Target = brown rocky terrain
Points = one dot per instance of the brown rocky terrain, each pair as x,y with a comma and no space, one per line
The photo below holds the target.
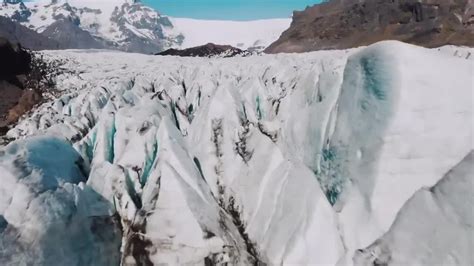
341,24
15,96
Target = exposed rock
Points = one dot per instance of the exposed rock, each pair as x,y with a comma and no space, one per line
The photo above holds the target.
143,35
207,50
17,33
28,99
15,97
341,24
71,36
15,60
9,98
119,25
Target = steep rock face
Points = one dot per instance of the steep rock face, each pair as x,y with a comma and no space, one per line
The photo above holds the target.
15,62
17,33
281,159
341,24
71,36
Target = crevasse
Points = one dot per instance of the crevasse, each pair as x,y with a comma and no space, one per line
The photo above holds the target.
282,159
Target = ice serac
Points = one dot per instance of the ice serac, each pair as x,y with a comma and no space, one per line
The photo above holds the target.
141,166
396,120
439,219
48,216
278,159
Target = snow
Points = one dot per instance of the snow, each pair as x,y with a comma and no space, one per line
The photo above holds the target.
289,159
44,14
240,34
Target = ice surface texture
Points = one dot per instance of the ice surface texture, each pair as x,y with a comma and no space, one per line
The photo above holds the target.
283,159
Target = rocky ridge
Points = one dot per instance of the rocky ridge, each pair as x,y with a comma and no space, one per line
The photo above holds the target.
207,50
16,33
14,66
341,24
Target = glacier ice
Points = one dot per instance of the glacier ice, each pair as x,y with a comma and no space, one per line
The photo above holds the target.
439,219
282,159
48,215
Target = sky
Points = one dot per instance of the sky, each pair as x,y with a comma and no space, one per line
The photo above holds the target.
229,9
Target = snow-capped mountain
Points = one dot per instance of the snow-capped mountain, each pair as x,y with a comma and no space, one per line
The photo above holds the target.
131,26
320,158
116,24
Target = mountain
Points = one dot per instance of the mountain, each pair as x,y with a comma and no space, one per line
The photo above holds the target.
17,33
113,24
71,36
322,158
133,27
341,24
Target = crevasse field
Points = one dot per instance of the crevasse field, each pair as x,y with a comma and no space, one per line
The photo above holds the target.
354,157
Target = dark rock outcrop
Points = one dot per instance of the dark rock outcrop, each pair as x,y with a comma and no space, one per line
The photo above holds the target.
17,33
15,60
207,50
15,98
341,24
71,36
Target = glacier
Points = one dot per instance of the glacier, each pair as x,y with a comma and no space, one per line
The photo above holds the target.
322,158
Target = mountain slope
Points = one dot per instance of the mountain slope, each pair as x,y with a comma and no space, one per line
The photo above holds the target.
17,33
114,24
71,36
342,24
280,159
133,27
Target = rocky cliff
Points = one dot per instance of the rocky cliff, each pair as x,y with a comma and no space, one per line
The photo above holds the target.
340,24
14,65
17,33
